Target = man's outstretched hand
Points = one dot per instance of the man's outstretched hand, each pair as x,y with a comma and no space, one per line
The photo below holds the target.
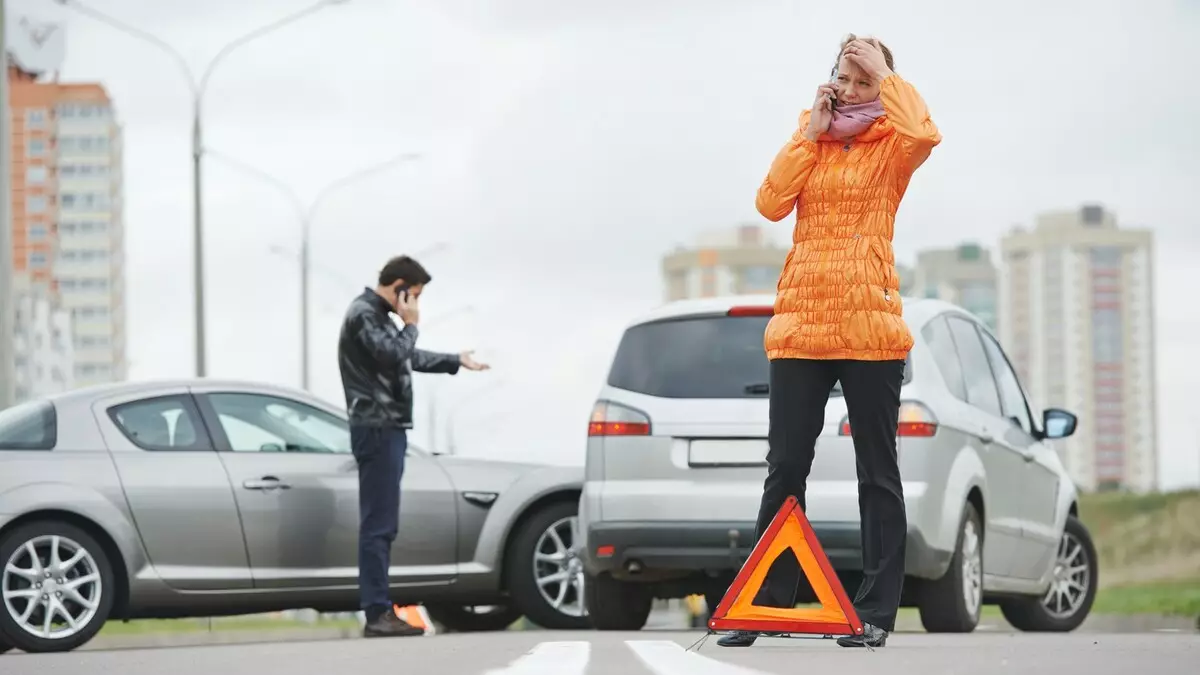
470,363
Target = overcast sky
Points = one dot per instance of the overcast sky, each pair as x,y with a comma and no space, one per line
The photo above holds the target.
567,145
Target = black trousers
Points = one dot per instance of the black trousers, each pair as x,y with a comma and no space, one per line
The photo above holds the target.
799,390
380,455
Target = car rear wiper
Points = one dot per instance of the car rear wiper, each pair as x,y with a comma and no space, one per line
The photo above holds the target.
760,388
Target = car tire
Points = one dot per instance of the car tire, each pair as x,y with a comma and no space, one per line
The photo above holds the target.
525,568
953,603
5,647
462,619
617,605
1032,614
98,589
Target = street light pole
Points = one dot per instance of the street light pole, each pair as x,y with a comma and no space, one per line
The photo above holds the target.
306,216
197,91
8,354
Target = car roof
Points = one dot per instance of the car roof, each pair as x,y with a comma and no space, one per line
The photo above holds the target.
134,386
916,310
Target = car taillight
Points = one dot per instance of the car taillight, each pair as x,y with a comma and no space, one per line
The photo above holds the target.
915,420
614,419
752,310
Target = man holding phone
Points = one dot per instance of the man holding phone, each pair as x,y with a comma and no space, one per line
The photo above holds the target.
377,360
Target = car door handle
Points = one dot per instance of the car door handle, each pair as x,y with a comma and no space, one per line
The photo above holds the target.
985,438
1029,456
265,483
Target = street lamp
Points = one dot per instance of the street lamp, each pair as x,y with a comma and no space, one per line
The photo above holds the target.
306,215
197,89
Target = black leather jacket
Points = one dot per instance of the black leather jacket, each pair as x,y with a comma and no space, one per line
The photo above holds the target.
377,361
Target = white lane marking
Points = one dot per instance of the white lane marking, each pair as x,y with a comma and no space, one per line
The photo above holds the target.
664,657
549,658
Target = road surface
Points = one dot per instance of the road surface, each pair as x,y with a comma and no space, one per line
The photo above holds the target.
647,652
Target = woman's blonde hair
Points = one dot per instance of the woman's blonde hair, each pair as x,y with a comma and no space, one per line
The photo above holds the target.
887,53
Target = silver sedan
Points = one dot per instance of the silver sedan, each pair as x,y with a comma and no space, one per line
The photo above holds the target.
203,497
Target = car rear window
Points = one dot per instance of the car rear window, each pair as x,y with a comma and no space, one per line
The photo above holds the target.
695,357
698,357
29,426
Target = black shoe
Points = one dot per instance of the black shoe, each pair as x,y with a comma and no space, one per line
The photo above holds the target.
741,638
872,636
390,625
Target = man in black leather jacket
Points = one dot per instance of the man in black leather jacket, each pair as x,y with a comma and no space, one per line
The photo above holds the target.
377,361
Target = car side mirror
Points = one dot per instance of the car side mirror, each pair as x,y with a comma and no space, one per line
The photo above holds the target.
1058,423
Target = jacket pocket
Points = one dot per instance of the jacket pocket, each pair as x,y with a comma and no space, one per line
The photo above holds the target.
879,265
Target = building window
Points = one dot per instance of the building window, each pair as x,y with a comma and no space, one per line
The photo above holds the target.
37,231
37,259
35,118
36,147
83,143
35,204
35,175
84,255
84,201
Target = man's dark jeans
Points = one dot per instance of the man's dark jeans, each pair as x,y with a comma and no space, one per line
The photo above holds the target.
380,456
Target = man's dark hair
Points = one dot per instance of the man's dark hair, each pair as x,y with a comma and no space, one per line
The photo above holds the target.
403,267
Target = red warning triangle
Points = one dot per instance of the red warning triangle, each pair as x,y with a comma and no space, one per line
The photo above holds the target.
789,529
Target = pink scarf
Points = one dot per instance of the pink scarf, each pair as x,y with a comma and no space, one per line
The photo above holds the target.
852,120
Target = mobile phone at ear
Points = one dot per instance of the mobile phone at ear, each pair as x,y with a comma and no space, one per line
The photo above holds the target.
402,292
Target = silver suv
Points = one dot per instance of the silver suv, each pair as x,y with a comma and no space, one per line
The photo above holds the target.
676,463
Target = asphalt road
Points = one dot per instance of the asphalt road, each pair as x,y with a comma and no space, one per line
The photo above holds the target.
647,652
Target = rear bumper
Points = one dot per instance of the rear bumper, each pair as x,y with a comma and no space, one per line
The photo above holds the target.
664,549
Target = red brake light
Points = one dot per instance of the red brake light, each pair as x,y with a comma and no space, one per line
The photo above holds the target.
915,421
751,310
613,419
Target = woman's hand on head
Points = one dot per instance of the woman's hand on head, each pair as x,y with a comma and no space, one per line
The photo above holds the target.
822,112
868,57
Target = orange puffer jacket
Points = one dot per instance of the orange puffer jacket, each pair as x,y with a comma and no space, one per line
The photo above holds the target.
838,296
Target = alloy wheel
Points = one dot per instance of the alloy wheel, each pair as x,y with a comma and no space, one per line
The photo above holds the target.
557,568
972,568
1072,577
51,587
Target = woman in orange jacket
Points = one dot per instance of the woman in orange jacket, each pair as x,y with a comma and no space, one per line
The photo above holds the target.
838,311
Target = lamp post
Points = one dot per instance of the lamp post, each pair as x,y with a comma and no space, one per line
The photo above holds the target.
306,214
197,90
8,355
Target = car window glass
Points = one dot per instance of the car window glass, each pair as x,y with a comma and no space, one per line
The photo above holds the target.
941,345
698,357
160,423
29,426
1012,399
260,423
977,372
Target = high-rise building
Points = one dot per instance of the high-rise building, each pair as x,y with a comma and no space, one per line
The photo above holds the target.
907,278
1077,302
68,231
964,275
724,262
43,347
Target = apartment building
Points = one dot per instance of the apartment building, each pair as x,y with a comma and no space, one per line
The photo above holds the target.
729,261
1077,301
68,232
43,347
964,275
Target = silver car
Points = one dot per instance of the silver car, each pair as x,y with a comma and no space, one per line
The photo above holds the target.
676,463
201,498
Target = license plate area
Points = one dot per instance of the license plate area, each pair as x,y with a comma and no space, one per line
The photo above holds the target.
727,452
